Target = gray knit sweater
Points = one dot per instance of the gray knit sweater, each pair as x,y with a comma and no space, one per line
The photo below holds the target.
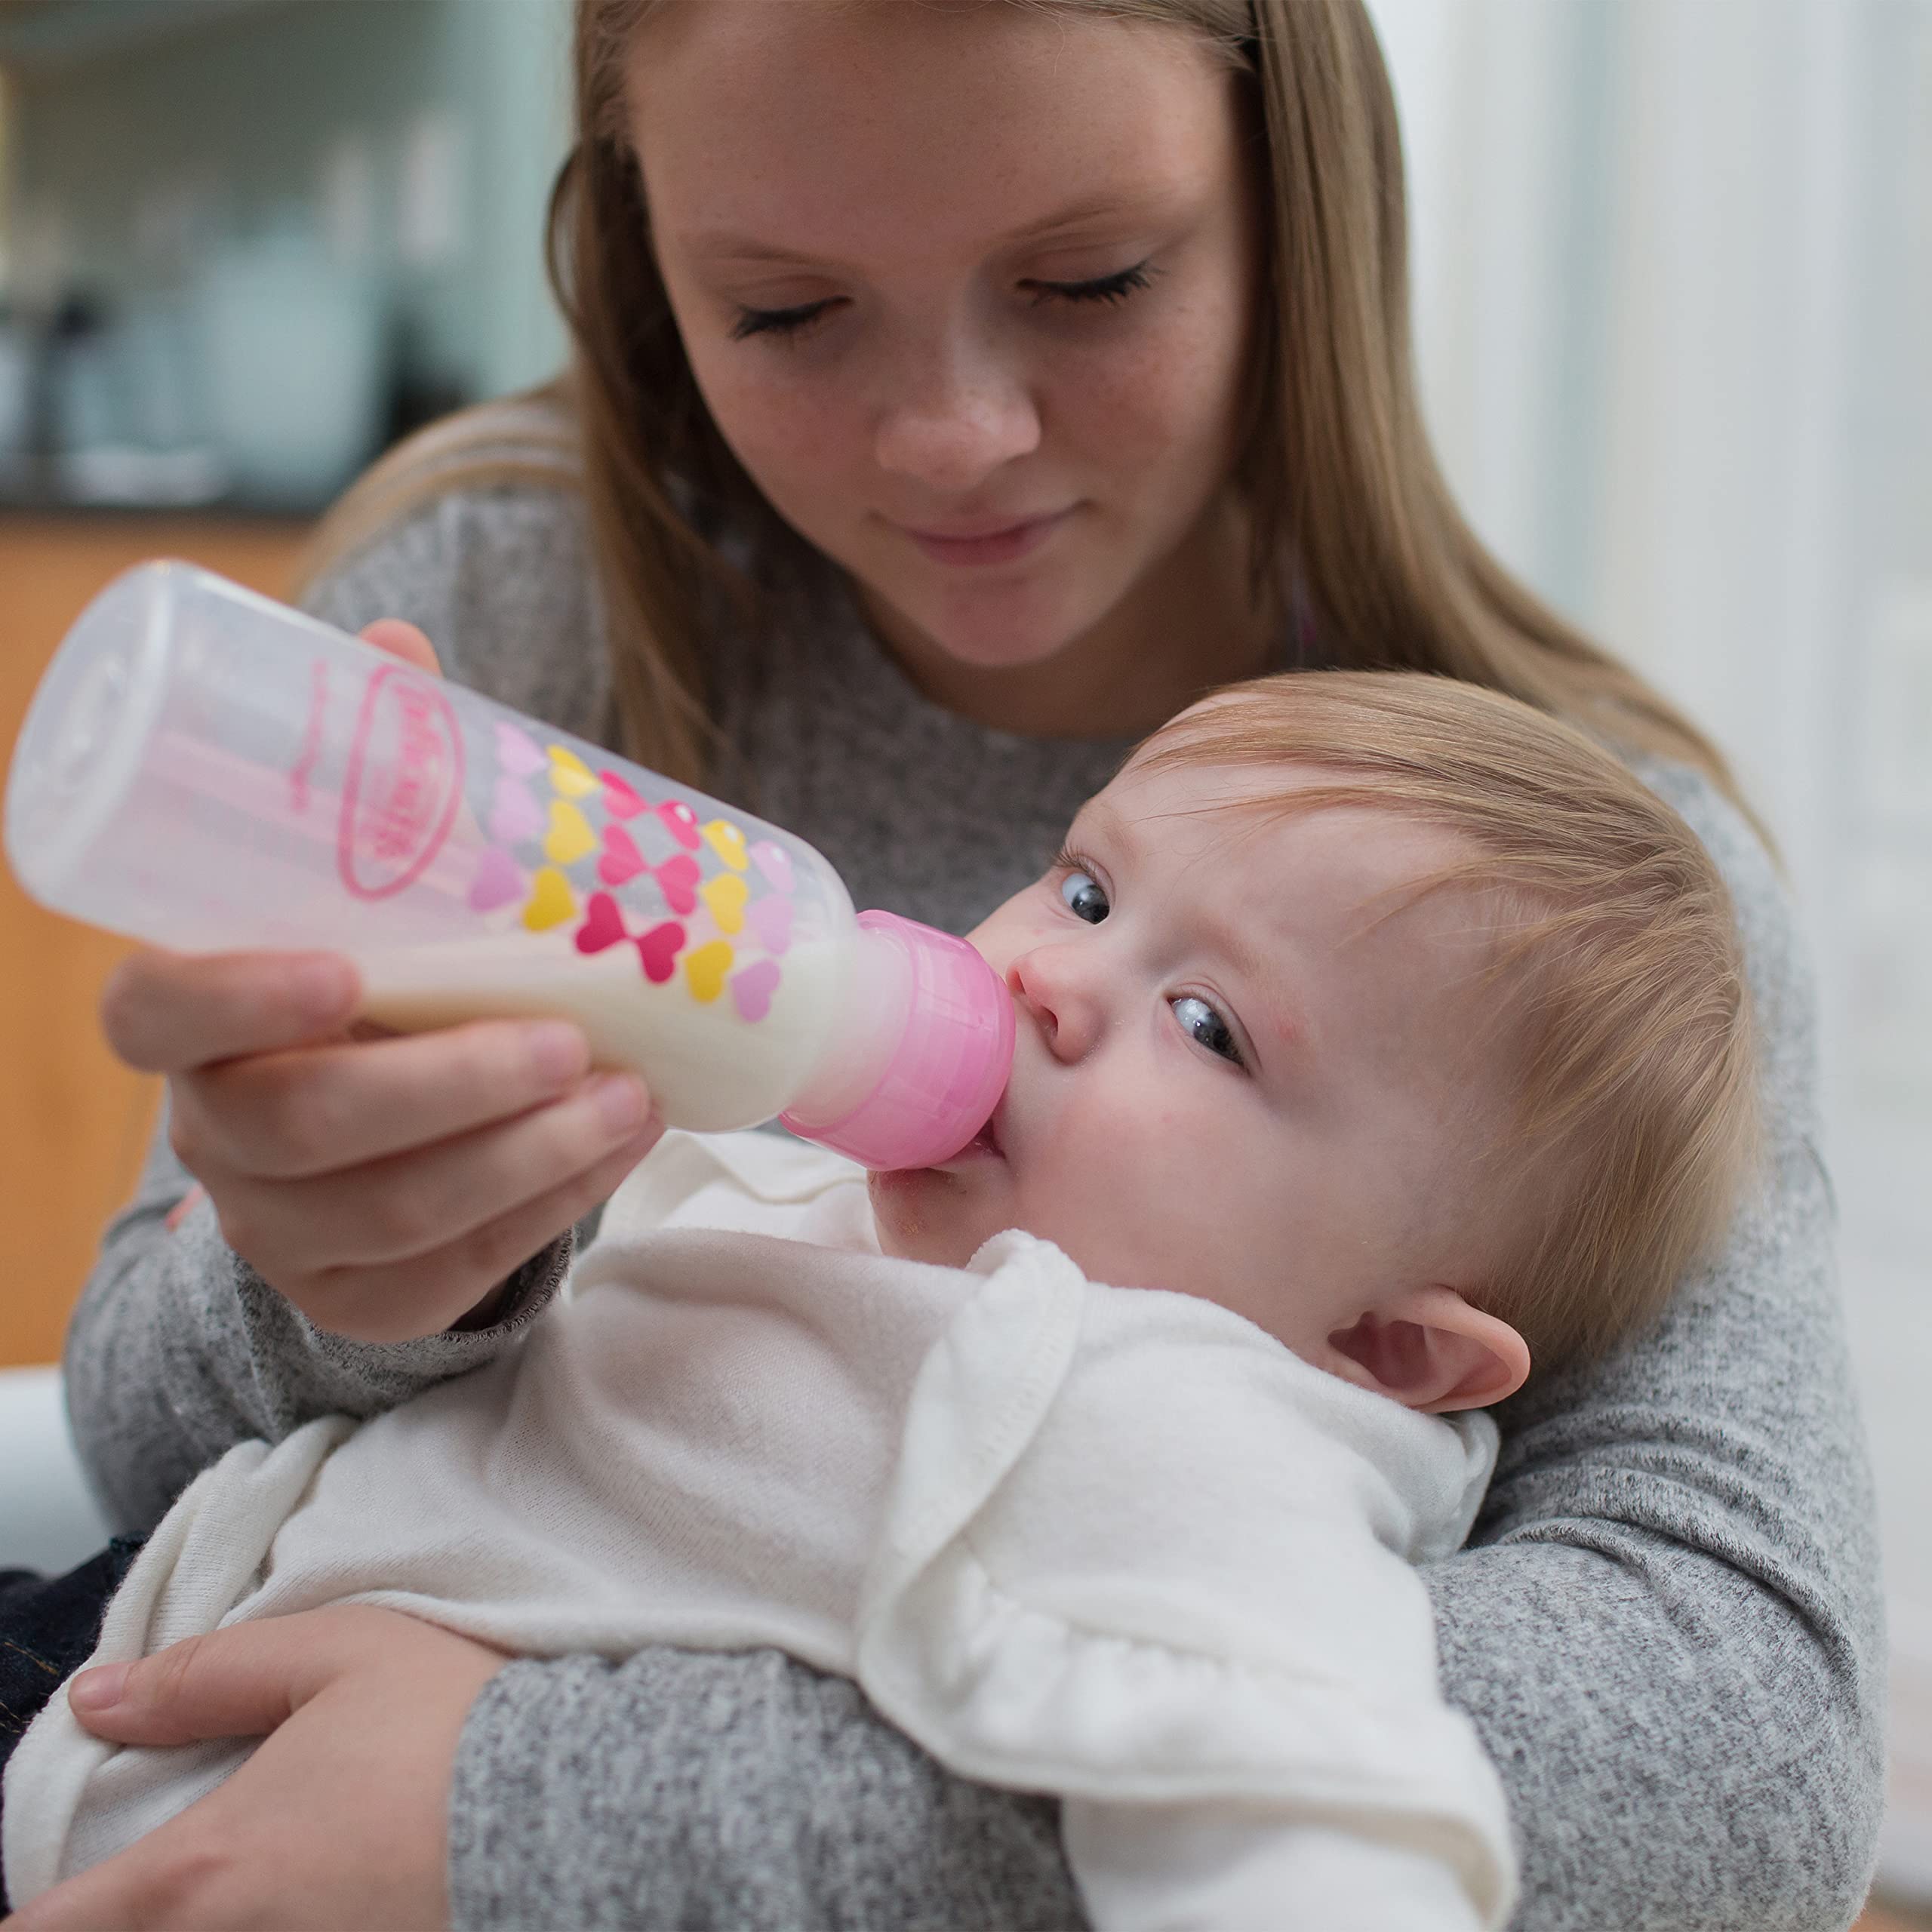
1666,1627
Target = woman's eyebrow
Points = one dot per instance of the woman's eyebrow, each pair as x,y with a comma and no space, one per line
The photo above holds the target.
727,244
1139,205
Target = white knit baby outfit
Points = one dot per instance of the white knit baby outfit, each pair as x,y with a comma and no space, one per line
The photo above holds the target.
1117,1545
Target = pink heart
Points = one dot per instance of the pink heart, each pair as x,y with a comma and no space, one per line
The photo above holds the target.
603,924
678,878
620,800
753,989
515,815
516,752
499,879
772,860
771,920
658,949
680,821
621,859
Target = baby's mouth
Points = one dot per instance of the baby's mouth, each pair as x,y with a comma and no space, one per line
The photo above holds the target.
987,1140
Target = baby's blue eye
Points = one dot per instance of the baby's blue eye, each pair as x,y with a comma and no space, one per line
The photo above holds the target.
1200,1022
1084,897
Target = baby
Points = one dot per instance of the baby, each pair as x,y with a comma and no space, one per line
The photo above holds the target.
1378,1036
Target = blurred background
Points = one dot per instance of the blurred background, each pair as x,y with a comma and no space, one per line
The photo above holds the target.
1673,265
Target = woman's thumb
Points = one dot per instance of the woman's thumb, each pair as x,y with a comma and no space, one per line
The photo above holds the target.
236,1683
405,641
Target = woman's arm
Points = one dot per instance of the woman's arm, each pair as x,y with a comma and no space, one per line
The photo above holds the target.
1668,1626
687,1791
178,1349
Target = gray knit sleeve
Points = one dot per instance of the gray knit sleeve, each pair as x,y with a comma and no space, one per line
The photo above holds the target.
177,1349
1667,1630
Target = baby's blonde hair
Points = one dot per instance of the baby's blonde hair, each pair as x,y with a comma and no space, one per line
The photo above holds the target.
1633,1125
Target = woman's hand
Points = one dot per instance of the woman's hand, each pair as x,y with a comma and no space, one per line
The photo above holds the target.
341,1817
385,1186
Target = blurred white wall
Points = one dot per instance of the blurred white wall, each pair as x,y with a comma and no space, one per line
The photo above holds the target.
1674,296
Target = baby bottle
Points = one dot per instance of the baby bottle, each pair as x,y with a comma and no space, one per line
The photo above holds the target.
207,770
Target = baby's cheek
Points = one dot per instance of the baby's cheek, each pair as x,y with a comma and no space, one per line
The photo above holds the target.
1113,1198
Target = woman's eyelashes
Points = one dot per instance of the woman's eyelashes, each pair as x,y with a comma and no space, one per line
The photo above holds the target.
782,323
1108,289
787,324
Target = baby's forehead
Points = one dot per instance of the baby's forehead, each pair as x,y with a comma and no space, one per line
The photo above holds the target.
1164,793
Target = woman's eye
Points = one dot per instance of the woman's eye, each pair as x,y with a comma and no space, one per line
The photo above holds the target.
1201,1023
1084,897
781,322
1108,288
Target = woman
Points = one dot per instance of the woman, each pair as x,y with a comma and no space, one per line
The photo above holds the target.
959,388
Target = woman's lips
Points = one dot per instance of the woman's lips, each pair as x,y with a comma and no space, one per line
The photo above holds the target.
996,543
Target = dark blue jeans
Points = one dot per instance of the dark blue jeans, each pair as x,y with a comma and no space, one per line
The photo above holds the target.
48,1625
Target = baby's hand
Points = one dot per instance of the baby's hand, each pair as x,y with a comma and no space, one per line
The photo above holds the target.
388,1186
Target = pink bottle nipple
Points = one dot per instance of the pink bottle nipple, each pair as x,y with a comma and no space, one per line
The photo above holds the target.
947,1072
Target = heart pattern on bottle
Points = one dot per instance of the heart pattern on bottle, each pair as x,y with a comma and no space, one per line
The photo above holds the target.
728,842
771,920
570,838
603,924
622,860
620,800
568,829
515,813
680,821
705,968
725,896
752,988
569,775
658,949
498,880
517,753
775,864
551,901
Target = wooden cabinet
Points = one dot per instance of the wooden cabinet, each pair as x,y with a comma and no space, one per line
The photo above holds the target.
73,1120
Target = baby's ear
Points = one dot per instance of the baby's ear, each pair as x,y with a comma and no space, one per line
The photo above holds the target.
1428,1350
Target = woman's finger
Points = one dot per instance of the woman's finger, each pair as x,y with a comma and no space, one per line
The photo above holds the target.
332,1108
170,1012
433,1291
408,1209
403,640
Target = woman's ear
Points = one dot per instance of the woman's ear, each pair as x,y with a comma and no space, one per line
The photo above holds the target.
1428,1350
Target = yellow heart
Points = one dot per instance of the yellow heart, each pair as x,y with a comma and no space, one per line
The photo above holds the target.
726,896
728,842
551,902
705,968
570,836
569,773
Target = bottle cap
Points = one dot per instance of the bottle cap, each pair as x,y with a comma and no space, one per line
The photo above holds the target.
945,1075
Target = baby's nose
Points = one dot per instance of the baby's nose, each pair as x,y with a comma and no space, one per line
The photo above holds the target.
1048,989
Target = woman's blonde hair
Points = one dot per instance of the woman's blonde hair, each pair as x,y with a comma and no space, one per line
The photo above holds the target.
1353,529
1622,1015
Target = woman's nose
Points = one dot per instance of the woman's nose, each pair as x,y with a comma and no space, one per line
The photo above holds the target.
954,419
1061,999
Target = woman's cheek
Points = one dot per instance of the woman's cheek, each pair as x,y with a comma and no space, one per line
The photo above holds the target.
783,424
